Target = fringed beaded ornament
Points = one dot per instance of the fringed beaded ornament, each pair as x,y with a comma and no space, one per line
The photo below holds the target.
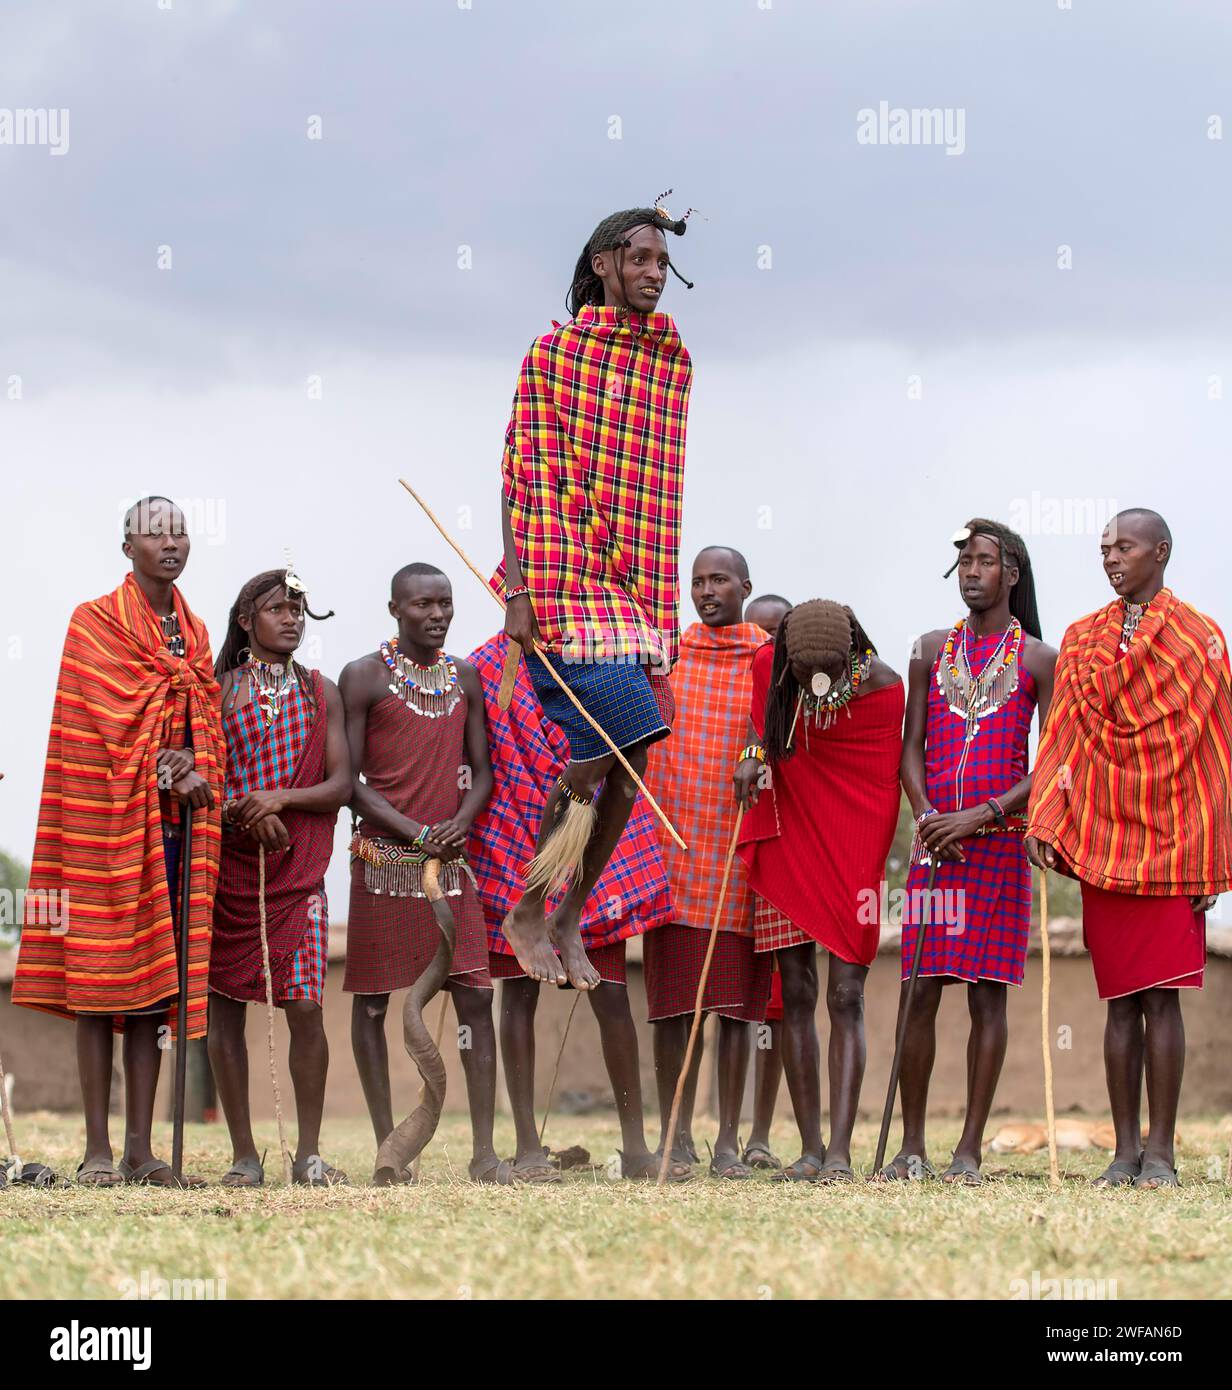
430,691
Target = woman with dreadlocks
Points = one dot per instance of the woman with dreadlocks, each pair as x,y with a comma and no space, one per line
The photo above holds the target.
288,773
593,476
820,784
973,690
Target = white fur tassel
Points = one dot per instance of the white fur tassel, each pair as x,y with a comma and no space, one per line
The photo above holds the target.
560,859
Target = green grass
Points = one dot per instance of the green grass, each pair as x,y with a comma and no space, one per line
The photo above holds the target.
595,1238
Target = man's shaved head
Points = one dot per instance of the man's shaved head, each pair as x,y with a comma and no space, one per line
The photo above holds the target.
412,571
739,565
1150,525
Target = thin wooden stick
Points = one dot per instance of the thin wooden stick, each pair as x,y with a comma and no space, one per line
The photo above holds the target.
669,1139
423,1085
555,674
269,1015
1050,1113
560,1052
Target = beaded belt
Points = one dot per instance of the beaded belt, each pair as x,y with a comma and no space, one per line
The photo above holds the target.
395,869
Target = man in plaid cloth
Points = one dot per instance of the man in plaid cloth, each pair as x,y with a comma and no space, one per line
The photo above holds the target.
965,773
288,773
592,476
691,778
631,897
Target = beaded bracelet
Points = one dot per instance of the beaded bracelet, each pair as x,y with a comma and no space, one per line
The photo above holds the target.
920,819
998,811
754,750
422,836
516,592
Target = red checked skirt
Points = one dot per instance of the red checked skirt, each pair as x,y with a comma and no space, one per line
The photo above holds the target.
738,985
609,961
1138,942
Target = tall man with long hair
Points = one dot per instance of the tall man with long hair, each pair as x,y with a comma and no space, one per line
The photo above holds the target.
972,691
288,773
593,476
826,740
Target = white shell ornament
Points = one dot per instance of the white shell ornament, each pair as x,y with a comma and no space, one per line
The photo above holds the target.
820,684
961,536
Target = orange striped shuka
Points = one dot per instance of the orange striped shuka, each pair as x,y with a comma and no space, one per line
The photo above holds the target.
121,696
690,774
1133,780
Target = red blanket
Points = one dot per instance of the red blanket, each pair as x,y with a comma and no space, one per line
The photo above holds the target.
121,695
816,842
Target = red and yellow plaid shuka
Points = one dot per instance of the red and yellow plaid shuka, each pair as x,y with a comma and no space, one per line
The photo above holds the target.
1133,780
690,774
593,475
121,696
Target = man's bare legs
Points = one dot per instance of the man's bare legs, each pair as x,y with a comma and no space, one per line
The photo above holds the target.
527,927
845,1003
671,1037
1124,1055
94,1061
916,1069
801,1049
768,1073
986,1046
477,1045
618,1036
372,1059
1165,1067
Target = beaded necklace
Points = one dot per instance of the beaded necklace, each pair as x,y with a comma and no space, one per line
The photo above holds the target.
823,709
435,685
973,697
271,682
1134,613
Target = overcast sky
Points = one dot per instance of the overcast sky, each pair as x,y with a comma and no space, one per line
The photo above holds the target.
199,299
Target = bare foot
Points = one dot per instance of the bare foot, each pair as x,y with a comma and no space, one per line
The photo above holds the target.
566,936
528,935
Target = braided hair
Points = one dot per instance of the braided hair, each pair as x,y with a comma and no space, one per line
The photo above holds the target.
1013,552
819,634
247,602
612,234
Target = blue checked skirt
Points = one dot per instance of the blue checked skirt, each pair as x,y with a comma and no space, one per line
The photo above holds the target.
631,704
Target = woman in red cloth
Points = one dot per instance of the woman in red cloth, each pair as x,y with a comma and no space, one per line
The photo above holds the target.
827,719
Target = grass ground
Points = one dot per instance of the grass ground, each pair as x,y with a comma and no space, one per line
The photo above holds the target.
596,1238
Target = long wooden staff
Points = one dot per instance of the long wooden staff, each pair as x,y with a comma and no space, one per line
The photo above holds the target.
560,1052
180,1081
8,1119
921,931
1050,1112
556,676
269,1017
669,1139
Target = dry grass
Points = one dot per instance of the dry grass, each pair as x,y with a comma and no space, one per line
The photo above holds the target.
596,1238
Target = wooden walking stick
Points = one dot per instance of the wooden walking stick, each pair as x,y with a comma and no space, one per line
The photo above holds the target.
555,674
181,1006
887,1113
32,1174
1050,1113
269,1018
560,1052
669,1139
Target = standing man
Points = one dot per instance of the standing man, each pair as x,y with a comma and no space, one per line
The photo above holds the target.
419,752
826,724
631,897
593,476
135,735
1133,797
288,772
691,780
972,691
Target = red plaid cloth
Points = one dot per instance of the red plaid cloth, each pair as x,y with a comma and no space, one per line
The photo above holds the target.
593,475
609,961
738,985
306,977
290,753
413,762
690,774
772,931
528,753
981,909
